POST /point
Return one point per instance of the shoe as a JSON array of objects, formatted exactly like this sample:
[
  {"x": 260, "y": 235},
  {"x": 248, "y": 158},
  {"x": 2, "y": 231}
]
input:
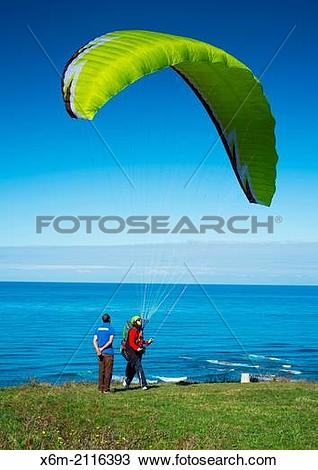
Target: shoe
[
  {"x": 125, "y": 384},
  {"x": 144, "y": 387}
]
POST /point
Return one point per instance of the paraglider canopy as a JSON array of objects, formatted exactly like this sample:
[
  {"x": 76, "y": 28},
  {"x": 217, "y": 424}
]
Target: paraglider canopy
[{"x": 231, "y": 94}]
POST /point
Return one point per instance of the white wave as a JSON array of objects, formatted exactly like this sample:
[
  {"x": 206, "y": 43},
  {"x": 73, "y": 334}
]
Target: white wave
[
  {"x": 84, "y": 374},
  {"x": 231, "y": 364},
  {"x": 269, "y": 358},
  {"x": 239, "y": 364},
  {"x": 170, "y": 379},
  {"x": 290, "y": 371},
  {"x": 286, "y": 366},
  {"x": 186, "y": 357}
]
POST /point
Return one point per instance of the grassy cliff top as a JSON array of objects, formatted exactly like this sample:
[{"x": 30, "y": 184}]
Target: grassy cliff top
[{"x": 207, "y": 416}]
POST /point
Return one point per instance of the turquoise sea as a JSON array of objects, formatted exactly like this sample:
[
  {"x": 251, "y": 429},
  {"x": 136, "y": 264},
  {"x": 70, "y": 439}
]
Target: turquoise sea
[{"x": 202, "y": 333}]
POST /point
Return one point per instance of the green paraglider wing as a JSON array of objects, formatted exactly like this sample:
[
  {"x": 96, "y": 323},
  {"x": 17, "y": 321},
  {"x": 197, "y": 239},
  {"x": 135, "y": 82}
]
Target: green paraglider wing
[{"x": 231, "y": 94}]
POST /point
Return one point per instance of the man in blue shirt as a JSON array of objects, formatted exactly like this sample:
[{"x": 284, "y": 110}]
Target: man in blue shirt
[{"x": 103, "y": 344}]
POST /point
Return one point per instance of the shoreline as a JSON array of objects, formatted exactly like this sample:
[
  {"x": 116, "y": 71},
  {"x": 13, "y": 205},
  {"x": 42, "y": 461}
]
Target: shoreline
[{"x": 117, "y": 382}]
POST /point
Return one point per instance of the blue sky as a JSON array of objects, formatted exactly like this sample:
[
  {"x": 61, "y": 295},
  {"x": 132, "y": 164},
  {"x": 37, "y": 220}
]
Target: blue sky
[{"x": 158, "y": 130}]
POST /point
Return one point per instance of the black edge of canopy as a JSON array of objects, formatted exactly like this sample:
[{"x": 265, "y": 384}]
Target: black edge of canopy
[{"x": 231, "y": 154}]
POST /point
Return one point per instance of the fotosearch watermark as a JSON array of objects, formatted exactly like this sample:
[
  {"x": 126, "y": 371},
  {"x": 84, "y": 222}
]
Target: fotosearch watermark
[{"x": 156, "y": 224}]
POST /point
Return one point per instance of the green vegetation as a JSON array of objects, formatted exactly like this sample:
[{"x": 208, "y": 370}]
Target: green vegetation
[{"x": 279, "y": 415}]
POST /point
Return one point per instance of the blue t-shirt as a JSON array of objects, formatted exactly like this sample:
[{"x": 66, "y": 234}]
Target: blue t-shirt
[{"x": 103, "y": 333}]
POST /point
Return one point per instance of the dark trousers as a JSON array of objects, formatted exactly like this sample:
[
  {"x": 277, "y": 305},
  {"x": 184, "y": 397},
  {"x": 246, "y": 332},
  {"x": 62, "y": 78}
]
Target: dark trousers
[
  {"x": 105, "y": 362},
  {"x": 134, "y": 366}
]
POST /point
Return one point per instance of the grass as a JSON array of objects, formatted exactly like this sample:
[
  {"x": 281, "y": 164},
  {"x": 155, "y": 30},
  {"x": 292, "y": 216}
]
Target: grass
[{"x": 279, "y": 415}]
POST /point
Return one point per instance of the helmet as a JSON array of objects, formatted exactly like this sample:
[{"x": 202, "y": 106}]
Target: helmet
[{"x": 134, "y": 319}]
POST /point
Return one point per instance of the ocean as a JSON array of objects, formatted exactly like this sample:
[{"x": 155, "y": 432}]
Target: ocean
[{"x": 208, "y": 333}]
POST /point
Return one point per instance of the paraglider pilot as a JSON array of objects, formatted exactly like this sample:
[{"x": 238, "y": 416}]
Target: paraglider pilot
[{"x": 133, "y": 348}]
